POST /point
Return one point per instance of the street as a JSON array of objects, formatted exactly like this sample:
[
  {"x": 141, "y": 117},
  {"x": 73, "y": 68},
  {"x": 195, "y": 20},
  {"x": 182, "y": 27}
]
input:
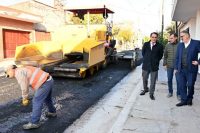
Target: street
[
  {"x": 72, "y": 97},
  {"x": 109, "y": 101}
]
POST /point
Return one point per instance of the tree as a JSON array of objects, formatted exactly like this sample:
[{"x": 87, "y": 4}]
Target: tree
[
  {"x": 76, "y": 20},
  {"x": 125, "y": 34},
  {"x": 163, "y": 40},
  {"x": 94, "y": 19},
  {"x": 171, "y": 29},
  {"x": 116, "y": 30},
  {"x": 145, "y": 39}
]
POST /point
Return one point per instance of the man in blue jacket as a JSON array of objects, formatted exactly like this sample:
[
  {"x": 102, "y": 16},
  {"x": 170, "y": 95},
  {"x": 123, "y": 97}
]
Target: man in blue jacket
[{"x": 186, "y": 67}]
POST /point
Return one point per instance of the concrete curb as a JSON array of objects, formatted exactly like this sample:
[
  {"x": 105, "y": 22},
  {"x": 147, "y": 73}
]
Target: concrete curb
[{"x": 123, "y": 116}]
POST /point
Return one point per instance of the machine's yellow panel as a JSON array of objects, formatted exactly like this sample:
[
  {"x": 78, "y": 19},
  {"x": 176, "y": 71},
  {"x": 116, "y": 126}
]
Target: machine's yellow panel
[
  {"x": 96, "y": 55},
  {"x": 100, "y": 35},
  {"x": 68, "y": 39}
]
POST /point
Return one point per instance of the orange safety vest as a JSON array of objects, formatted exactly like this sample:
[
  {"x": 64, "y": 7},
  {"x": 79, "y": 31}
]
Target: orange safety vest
[{"x": 38, "y": 77}]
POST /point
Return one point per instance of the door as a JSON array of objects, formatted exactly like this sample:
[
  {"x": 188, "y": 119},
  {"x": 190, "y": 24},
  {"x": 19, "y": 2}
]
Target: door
[{"x": 13, "y": 38}]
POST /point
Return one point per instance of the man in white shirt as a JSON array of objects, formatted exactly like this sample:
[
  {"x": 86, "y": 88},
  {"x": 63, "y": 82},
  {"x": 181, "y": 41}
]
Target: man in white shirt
[{"x": 186, "y": 66}]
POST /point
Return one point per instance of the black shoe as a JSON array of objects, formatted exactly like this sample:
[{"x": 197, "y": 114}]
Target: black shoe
[
  {"x": 143, "y": 92},
  {"x": 152, "y": 97},
  {"x": 189, "y": 102},
  {"x": 181, "y": 104}
]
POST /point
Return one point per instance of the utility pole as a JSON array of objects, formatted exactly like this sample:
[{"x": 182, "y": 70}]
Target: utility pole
[
  {"x": 176, "y": 27},
  {"x": 162, "y": 21}
]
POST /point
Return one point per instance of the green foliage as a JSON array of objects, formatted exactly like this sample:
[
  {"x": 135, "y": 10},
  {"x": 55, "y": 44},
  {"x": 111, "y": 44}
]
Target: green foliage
[
  {"x": 94, "y": 19},
  {"x": 76, "y": 20},
  {"x": 125, "y": 34},
  {"x": 171, "y": 29},
  {"x": 145, "y": 39},
  {"x": 116, "y": 30},
  {"x": 163, "y": 40}
]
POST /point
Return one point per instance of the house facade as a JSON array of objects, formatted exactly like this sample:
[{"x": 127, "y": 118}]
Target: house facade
[
  {"x": 53, "y": 16},
  {"x": 27, "y": 22},
  {"x": 16, "y": 28},
  {"x": 187, "y": 12}
]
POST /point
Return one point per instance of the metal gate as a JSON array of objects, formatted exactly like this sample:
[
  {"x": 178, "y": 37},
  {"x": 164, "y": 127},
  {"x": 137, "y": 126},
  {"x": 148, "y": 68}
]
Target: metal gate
[{"x": 13, "y": 38}]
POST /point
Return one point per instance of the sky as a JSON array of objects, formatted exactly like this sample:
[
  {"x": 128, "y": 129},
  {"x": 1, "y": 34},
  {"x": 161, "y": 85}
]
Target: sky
[{"x": 145, "y": 14}]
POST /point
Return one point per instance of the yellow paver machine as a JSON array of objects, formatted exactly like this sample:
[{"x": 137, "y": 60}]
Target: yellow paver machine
[{"x": 76, "y": 50}]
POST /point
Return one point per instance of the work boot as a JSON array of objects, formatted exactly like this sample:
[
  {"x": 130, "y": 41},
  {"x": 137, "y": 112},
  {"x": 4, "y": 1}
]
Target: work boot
[
  {"x": 30, "y": 126},
  {"x": 50, "y": 115}
]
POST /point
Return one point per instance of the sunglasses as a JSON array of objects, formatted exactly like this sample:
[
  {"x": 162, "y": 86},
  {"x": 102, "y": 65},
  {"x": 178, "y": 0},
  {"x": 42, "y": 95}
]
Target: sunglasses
[{"x": 182, "y": 36}]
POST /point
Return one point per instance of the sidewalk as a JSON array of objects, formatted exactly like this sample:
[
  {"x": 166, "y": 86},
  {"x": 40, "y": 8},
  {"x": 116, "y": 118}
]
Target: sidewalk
[
  {"x": 162, "y": 115},
  {"x": 123, "y": 110}
]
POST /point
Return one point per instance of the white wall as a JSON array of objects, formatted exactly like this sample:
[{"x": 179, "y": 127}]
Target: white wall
[
  {"x": 197, "y": 36},
  {"x": 191, "y": 24}
]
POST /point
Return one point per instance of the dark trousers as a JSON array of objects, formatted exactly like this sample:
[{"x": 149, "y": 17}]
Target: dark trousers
[
  {"x": 187, "y": 81},
  {"x": 170, "y": 75},
  {"x": 42, "y": 95},
  {"x": 145, "y": 76}
]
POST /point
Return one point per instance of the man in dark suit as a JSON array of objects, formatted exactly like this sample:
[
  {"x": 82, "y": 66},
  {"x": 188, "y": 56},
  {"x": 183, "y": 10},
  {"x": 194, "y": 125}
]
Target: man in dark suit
[
  {"x": 152, "y": 53},
  {"x": 186, "y": 67}
]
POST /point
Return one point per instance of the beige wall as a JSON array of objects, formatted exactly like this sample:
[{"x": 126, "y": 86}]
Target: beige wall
[
  {"x": 14, "y": 25},
  {"x": 52, "y": 17}
]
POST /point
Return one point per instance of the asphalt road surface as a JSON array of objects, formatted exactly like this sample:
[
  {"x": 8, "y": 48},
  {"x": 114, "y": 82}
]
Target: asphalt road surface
[{"x": 72, "y": 97}]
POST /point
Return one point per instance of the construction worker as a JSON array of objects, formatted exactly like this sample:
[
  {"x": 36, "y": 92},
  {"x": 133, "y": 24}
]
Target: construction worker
[{"x": 41, "y": 82}]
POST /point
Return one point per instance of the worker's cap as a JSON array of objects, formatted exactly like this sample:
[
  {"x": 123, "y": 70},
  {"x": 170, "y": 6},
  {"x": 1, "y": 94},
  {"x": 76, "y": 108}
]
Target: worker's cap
[{"x": 11, "y": 67}]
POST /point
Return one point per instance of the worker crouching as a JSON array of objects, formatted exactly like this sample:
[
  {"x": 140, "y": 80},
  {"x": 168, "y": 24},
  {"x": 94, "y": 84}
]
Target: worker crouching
[{"x": 42, "y": 83}]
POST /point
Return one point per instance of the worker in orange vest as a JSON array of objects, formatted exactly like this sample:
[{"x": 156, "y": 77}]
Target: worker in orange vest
[{"x": 41, "y": 82}]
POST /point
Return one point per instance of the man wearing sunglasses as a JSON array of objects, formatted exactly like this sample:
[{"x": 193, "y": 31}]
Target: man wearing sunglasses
[
  {"x": 41, "y": 82},
  {"x": 186, "y": 67}
]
